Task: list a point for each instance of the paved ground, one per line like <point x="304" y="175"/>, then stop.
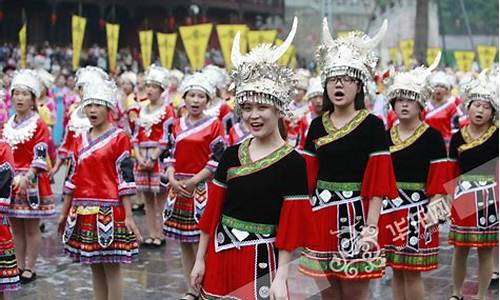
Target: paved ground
<point x="158" y="275"/>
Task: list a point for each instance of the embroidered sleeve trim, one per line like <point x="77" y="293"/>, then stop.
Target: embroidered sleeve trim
<point x="335" y="134"/>
<point x="400" y="144"/>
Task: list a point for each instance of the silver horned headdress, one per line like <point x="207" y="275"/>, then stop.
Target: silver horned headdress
<point x="484" y="88"/>
<point x="259" y="78"/>
<point x="353" y="55"/>
<point x="413" y="85"/>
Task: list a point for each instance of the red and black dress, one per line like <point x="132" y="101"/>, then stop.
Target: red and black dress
<point x="474" y="214"/>
<point x="422" y="169"/>
<point x="28" y="139"/>
<point x="193" y="146"/>
<point x="9" y="273"/>
<point x="346" y="168"/>
<point x="100" y="173"/>
<point x="249" y="218"/>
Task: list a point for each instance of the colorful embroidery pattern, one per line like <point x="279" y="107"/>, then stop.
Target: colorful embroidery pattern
<point x="334" y="133"/>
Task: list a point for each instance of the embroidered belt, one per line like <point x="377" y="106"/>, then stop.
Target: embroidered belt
<point x="339" y="186"/>
<point x="412" y="186"/>
<point x="248" y="226"/>
<point x="228" y="237"/>
<point x="471" y="177"/>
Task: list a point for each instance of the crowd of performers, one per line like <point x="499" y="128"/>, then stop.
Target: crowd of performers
<point x="355" y="174"/>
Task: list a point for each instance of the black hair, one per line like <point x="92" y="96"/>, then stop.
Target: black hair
<point x="359" y="101"/>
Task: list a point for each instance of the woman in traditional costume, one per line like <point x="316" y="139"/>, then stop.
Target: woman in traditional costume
<point x="32" y="198"/>
<point x="149" y="142"/>
<point x="195" y="144"/>
<point x="350" y="171"/>
<point x="421" y="166"/>
<point x="253" y="224"/>
<point x="474" y="153"/>
<point x="96" y="224"/>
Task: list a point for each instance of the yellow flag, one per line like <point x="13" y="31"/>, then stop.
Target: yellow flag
<point x="112" y="33"/>
<point x="431" y="55"/>
<point x="486" y="55"/>
<point x="77" y="33"/>
<point x="293" y="61"/>
<point x="393" y="53"/>
<point x="226" y="34"/>
<point x="285" y="58"/>
<point x="22" y="45"/>
<point x="166" y="48"/>
<point x="260" y="36"/>
<point x="195" y="39"/>
<point x="146" y="40"/>
<point x="406" y="47"/>
<point x="464" y="60"/>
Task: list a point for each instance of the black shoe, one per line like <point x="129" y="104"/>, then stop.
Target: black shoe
<point x="27" y="279"/>
<point x="42" y="227"/>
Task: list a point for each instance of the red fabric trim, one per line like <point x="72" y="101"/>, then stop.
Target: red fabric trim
<point x="439" y="174"/>
<point x="379" y="179"/>
<point x="296" y="226"/>
<point x="312" y="166"/>
<point x="212" y="213"/>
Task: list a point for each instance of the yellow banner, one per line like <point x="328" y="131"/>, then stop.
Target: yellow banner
<point x="285" y="58"/>
<point x="166" y="48"/>
<point x="195" y="39"/>
<point x="112" y="33"/>
<point x="146" y="40"/>
<point x="226" y="34"/>
<point x="393" y="54"/>
<point x="464" y="60"/>
<point x="406" y="47"/>
<point x="22" y="45"/>
<point x="260" y="36"/>
<point x="486" y="55"/>
<point x="431" y="55"/>
<point x="77" y="33"/>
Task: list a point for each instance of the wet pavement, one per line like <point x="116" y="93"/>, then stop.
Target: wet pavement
<point x="158" y="275"/>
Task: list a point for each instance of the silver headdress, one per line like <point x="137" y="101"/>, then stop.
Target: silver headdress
<point x="352" y="55"/>
<point x="259" y="78"/>
<point x="157" y="75"/>
<point x="218" y="76"/>
<point x="130" y="77"/>
<point x="484" y="88"/>
<point x="440" y="79"/>
<point x="46" y="78"/>
<point x="198" y="81"/>
<point x="100" y="92"/>
<point x="315" y="88"/>
<point x="302" y="76"/>
<point x="90" y="74"/>
<point x="412" y="85"/>
<point x="26" y="79"/>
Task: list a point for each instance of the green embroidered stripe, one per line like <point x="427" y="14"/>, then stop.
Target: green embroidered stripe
<point x="410" y="260"/>
<point x="473" y="237"/>
<point x="412" y="186"/>
<point x="248" y="226"/>
<point x="218" y="183"/>
<point x="260" y="164"/>
<point x="339" y="186"/>
<point x="472" y="177"/>
<point x="379" y="153"/>
<point x="329" y="265"/>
